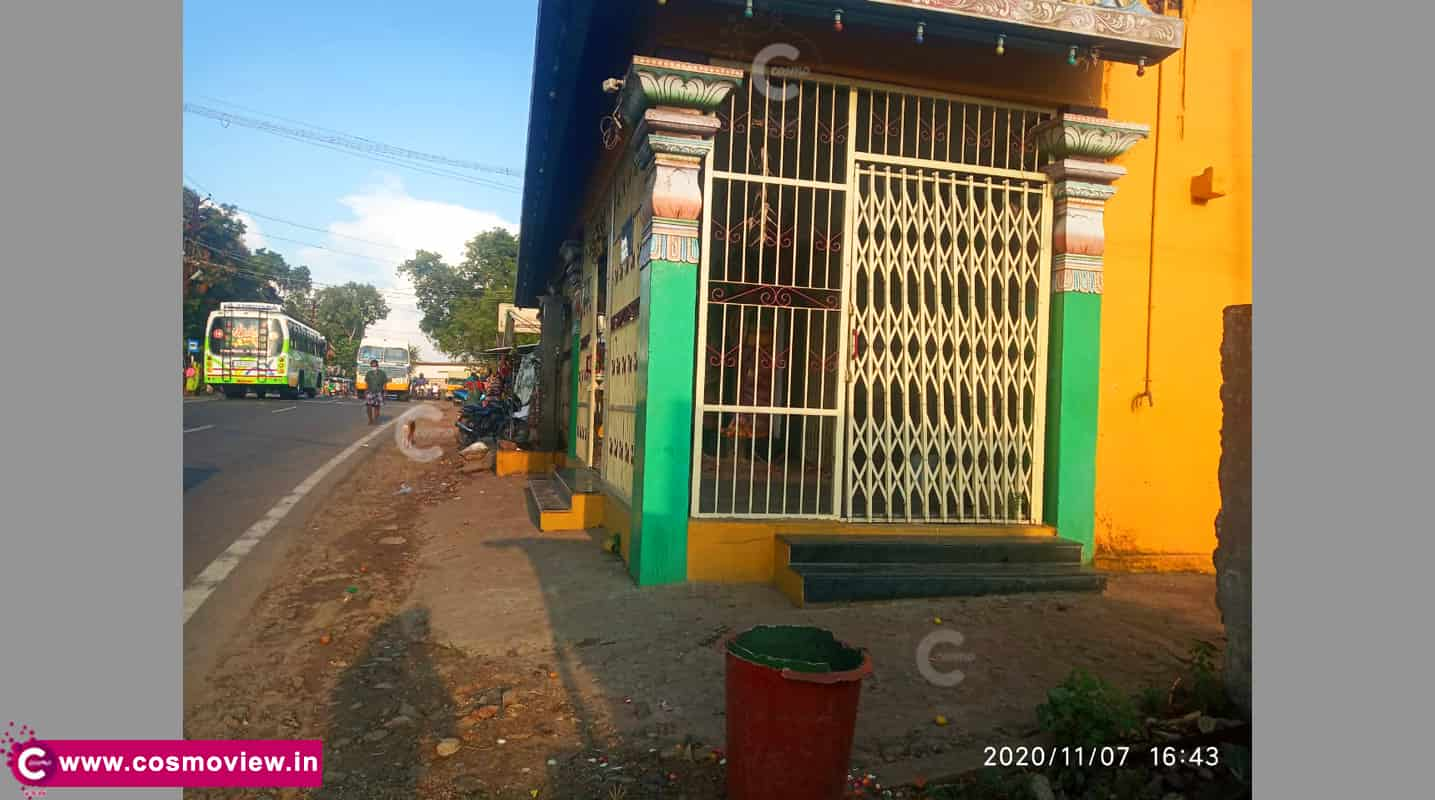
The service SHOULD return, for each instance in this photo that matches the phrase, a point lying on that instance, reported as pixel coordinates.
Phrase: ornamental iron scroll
(757, 294)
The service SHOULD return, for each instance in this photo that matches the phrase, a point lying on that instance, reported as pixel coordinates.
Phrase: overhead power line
(347, 141)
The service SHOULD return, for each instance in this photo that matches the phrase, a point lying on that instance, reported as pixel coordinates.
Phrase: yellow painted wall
(1156, 491)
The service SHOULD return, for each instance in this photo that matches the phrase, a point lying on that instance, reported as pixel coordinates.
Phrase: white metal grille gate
(903, 375)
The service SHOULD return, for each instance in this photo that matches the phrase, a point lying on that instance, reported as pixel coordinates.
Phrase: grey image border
(90, 553)
(1341, 449)
(90, 561)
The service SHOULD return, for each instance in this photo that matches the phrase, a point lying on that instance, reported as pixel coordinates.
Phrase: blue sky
(441, 77)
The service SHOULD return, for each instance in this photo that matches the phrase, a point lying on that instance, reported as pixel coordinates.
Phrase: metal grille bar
(949, 317)
(794, 417)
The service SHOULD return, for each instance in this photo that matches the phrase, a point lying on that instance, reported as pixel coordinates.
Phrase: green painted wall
(576, 369)
(667, 330)
(1073, 389)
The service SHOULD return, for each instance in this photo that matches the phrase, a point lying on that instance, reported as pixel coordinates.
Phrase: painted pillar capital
(670, 107)
(655, 82)
(1081, 147)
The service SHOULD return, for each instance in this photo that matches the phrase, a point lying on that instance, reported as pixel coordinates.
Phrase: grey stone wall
(1233, 522)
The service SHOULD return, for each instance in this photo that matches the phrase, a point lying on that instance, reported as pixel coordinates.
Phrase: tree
(344, 314)
(415, 355)
(460, 303)
(219, 267)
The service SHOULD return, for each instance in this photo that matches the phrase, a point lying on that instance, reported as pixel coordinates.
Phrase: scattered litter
(405, 489)
(552, 762)
(325, 639)
(940, 720)
(526, 770)
(363, 569)
(447, 747)
(352, 590)
(503, 741)
(936, 620)
(393, 540)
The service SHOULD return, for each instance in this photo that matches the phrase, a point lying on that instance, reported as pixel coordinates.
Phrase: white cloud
(394, 224)
(253, 237)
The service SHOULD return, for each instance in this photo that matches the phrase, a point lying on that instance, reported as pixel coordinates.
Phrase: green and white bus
(257, 347)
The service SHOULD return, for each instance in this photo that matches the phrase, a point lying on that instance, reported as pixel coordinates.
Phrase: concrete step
(931, 549)
(815, 568)
(893, 582)
(549, 494)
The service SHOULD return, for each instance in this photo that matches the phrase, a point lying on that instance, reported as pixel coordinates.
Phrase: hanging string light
(921, 32)
(837, 20)
(1001, 45)
(1141, 66)
(747, 12)
(1071, 56)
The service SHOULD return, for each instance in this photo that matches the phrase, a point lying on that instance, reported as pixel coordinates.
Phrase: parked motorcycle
(488, 419)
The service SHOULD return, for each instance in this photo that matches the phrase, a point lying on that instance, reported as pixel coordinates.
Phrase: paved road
(243, 456)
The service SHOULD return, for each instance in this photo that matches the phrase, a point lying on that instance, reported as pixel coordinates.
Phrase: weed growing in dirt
(1151, 701)
(1208, 690)
(1086, 711)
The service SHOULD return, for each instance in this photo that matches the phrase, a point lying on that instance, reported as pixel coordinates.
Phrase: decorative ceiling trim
(1125, 21)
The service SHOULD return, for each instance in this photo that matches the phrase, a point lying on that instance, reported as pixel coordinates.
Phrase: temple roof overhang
(580, 43)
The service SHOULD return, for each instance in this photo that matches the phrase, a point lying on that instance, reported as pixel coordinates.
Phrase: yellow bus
(393, 358)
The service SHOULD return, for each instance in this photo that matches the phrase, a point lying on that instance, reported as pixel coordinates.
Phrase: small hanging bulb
(1141, 66)
(662, 2)
(921, 32)
(1071, 56)
(747, 12)
(837, 20)
(1001, 45)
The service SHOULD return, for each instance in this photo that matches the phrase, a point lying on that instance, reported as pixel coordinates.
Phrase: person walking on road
(374, 391)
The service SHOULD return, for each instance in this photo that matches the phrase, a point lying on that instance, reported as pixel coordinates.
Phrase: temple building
(885, 298)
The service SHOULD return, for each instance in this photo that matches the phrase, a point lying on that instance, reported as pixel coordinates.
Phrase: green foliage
(219, 267)
(1208, 690)
(228, 271)
(1086, 711)
(344, 313)
(1151, 701)
(459, 303)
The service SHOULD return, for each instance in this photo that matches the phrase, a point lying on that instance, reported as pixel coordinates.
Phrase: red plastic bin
(792, 694)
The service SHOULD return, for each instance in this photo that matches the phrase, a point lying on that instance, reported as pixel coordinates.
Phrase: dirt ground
(404, 620)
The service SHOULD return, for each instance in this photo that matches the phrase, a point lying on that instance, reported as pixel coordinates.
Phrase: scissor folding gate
(873, 307)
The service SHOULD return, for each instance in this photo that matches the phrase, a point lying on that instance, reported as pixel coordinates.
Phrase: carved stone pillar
(1082, 179)
(669, 107)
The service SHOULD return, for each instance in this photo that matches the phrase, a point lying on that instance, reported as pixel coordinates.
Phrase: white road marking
(213, 575)
(200, 428)
(282, 410)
